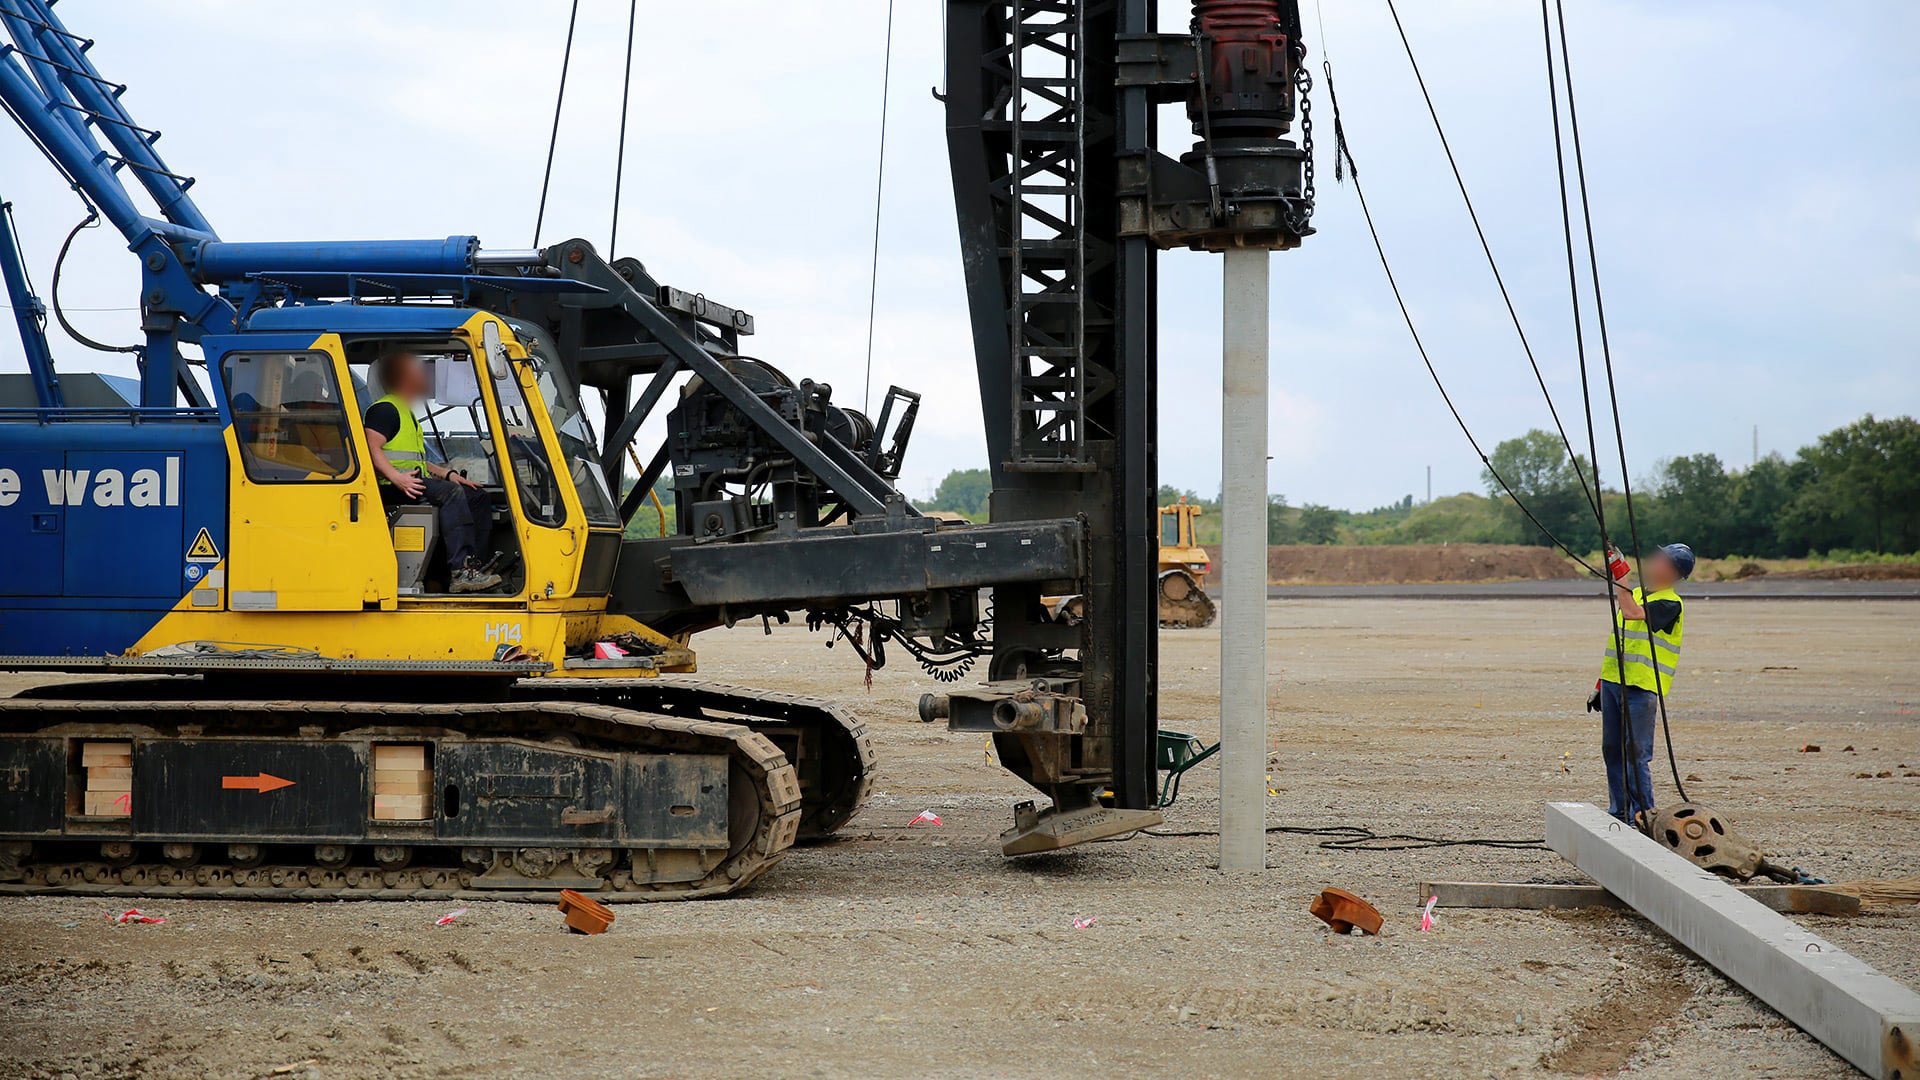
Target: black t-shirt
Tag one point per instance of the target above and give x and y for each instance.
(1661, 614)
(385, 419)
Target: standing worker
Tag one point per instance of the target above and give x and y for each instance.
(1649, 628)
(399, 451)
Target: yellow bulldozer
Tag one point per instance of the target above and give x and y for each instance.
(1184, 602)
(1183, 567)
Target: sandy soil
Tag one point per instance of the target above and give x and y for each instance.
(918, 951)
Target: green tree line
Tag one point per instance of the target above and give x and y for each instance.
(1856, 488)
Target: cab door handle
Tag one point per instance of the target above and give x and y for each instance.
(353, 506)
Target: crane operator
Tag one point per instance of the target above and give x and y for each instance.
(1644, 643)
(399, 450)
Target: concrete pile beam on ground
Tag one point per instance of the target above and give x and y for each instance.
(1788, 899)
(1862, 1015)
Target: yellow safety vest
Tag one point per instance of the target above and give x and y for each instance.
(407, 450)
(1647, 654)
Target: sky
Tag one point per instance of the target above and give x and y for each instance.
(1754, 170)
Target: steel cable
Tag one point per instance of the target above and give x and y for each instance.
(1361, 838)
(1614, 622)
(1341, 147)
(620, 155)
(1591, 493)
(879, 190)
(553, 139)
(1606, 354)
(53, 296)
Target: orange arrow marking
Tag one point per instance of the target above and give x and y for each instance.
(262, 782)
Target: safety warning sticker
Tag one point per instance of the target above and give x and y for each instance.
(203, 549)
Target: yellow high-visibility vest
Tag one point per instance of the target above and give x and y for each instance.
(1648, 656)
(407, 450)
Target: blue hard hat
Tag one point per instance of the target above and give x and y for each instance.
(1681, 556)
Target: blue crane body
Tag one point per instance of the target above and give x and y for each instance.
(230, 501)
(220, 527)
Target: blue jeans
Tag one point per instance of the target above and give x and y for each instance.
(1629, 782)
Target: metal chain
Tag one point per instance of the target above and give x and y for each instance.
(1303, 81)
(1300, 212)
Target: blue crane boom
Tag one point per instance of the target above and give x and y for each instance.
(73, 94)
(54, 93)
(28, 312)
(193, 283)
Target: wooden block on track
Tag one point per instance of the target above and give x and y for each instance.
(109, 780)
(108, 804)
(390, 756)
(400, 807)
(420, 783)
(114, 754)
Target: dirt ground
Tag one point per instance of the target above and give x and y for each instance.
(1741, 568)
(918, 950)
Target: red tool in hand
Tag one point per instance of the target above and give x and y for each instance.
(1616, 563)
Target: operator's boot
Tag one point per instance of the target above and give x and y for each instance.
(471, 578)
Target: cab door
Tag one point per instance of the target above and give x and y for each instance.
(307, 529)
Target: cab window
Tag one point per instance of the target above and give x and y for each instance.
(579, 448)
(288, 416)
(540, 497)
(1170, 530)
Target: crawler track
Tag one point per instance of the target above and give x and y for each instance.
(1184, 605)
(828, 746)
(618, 852)
(826, 743)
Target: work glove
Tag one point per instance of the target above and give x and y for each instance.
(1593, 699)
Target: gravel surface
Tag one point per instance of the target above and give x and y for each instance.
(918, 950)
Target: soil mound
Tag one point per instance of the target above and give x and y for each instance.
(1860, 572)
(1400, 564)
